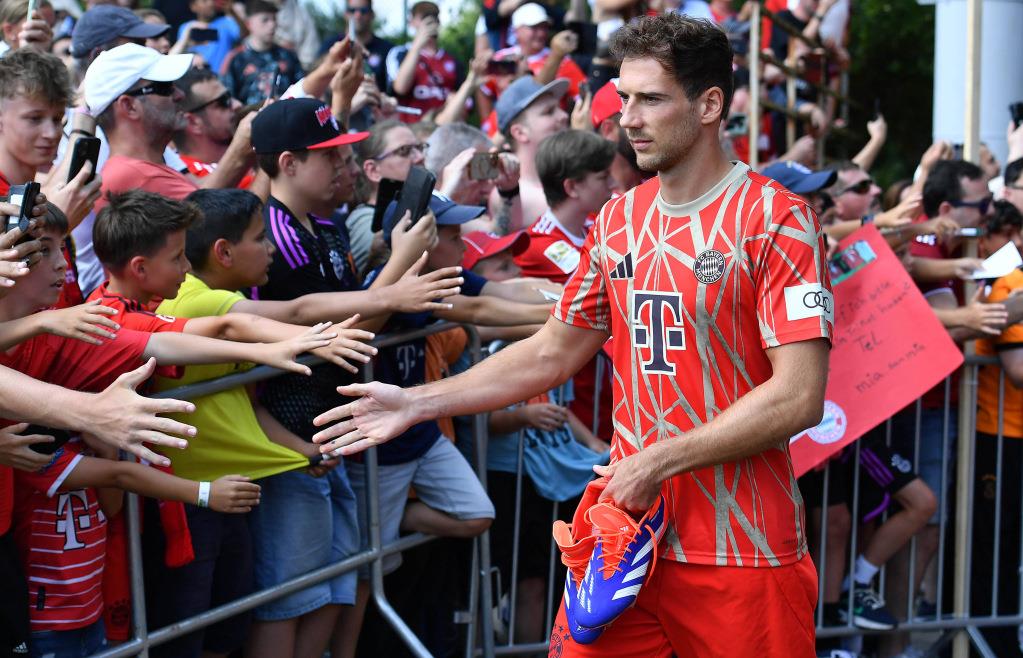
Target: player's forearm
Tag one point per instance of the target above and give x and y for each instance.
(766, 417)
(516, 373)
(29, 400)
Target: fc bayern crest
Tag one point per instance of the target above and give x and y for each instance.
(709, 266)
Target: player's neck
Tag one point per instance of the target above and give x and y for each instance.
(690, 178)
(129, 290)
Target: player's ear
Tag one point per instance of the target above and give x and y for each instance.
(712, 105)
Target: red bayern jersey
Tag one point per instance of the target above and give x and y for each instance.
(694, 296)
(553, 252)
(435, 78)
(568, 70)
(61, 537)
(134, 314)
(201, 169)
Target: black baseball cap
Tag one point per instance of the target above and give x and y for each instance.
(298, 124)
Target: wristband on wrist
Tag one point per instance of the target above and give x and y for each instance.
(509, 194)
(818, 17)
(204, 494)
(866, 219)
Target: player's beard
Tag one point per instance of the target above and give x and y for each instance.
(670, 148)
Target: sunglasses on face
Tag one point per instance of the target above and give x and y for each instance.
(222, 101)
(981, 205)
(358, 10)
(157, 88)
(863, 187)
(404, 151)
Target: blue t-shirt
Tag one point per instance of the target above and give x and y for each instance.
(559, 466)
(404, 365)
(214, 52)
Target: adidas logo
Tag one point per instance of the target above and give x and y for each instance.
(624, 269)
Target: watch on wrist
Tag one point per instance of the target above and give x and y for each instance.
(509, 194)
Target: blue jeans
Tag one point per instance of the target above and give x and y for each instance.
(77, 643)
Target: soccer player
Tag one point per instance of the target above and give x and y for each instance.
(711, 279)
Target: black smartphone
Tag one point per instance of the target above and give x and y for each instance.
(1016, 112)
(737, 125)
(387, 191)
(60, 437)
(600, 75)
(204, 34)
(86, 149)
(957, 151)
(23, 196)
(502, 67)
(415, 194)
(587, 34)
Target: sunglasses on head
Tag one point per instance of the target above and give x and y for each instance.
(981, 205)
(222, 101)
(157, 88)
(862, 187)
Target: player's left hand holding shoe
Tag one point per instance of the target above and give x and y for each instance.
(634, 482)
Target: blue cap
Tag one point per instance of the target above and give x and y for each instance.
(798, 178)
(520, 94)
(104, 23)
(447, 212)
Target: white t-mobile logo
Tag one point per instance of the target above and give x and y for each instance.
(68, 523)
(656, 334)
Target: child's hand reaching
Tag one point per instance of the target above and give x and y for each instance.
(233, 494)
(282, 353)
(87, 322)
(545, 416)
(350, 345)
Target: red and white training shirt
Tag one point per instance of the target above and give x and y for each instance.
(694, 296)
(553, 252)
(61, 536)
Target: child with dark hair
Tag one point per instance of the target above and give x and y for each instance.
(261, 69)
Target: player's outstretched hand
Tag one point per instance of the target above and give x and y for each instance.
(282, 353)
(123, 418)
(381, 413)
(350, 345)
(233, 494)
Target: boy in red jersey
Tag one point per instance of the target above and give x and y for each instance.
(712, 280)
(59, 529)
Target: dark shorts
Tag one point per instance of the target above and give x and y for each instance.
(14, 598)
(884, 470)
(534, 531)
(221, 572)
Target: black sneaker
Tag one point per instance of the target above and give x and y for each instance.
(869, 610)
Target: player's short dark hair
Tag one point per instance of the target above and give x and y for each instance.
(137, 223)
(1003, 215)
(268, 161)
(223, 214)
(25, 72)
(1013, 171)
(944, 183)
(695, 51)
(570, 155)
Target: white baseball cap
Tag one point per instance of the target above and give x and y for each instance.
(114, 72)
(529, 15)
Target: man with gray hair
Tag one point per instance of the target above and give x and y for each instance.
(452, 148)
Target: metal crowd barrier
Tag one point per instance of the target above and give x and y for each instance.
(142, 638)
(953, 588)
(825, 93)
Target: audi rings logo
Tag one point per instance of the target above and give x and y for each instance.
(709, 266)
(818, 299)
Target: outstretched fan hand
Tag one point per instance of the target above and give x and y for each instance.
(381, 413)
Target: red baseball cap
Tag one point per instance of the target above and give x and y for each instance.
(480, 245)
(606, 103)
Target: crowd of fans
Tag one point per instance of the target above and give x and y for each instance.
(235, 215)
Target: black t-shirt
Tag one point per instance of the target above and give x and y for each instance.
(378, 49)
(780, 38)
(305, 262)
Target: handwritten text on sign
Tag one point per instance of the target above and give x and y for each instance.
(889, 348)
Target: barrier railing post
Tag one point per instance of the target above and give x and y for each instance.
(139, 630)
